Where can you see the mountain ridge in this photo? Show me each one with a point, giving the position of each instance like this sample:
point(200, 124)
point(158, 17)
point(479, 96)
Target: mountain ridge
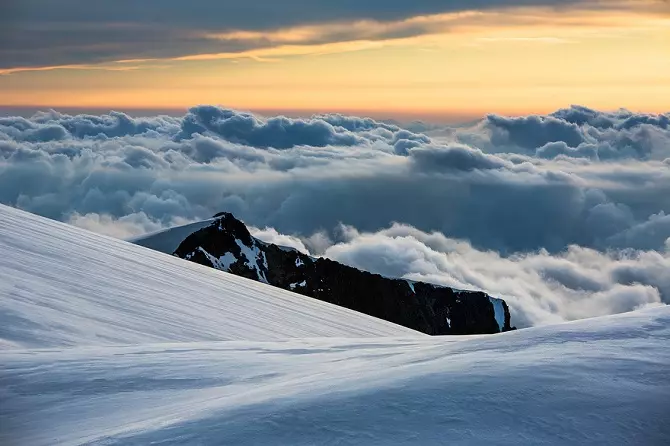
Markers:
point(226, 244)
point(65, 286)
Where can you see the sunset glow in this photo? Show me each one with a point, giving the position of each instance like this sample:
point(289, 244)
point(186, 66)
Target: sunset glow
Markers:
point(463, 63)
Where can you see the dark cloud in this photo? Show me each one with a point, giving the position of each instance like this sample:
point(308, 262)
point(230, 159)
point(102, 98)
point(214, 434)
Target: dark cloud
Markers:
point(530, 132)
point(454, 157)
point(44, 32)
point(279, 132)
point(577, 132)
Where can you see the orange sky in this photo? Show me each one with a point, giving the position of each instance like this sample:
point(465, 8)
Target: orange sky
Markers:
point(461, 67)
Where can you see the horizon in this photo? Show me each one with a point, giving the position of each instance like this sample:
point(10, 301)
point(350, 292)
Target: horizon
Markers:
point(434, 60)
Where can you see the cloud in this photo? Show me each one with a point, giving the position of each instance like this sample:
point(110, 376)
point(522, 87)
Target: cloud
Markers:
point(564, 215)
point(307, 175)
point(270, 235)
point(453, 157)
point(278, 132)
point(540, 287)
point(37, 33)
point(125, 227)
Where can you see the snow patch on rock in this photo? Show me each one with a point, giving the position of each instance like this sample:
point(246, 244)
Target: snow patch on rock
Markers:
point(499, 310)
point(293, 286)
point(253, 256)
point(411, 285)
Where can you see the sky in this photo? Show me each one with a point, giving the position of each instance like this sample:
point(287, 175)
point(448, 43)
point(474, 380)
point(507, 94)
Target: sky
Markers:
point(425, 59)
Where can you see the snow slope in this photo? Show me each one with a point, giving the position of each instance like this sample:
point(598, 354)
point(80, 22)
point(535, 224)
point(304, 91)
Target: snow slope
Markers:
point(61, 285)
point(600, 381)
point(168, 240)
point(105, 345)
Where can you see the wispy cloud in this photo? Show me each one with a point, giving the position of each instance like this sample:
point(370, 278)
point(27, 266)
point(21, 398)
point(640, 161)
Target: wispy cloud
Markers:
point(69, 34)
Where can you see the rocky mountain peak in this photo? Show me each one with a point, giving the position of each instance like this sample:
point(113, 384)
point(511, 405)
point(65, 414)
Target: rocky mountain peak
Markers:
point(226, 244)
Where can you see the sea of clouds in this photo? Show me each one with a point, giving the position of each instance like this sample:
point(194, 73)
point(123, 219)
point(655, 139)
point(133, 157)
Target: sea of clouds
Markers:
point(565, 216)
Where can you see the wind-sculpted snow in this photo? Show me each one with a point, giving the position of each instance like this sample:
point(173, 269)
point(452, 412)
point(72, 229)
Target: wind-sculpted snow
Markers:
point(601, 381)
point(63, 286)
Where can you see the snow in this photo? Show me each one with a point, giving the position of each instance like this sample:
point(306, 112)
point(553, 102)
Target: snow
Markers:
point(108, 343)
point(223, 263)
point(592, 382)
point(499, 311)
point(168, 240)
point(253, 255)
point(299, 262)
point(410, 283)
point(64, 286)
point(294, 285)
point(226, 260)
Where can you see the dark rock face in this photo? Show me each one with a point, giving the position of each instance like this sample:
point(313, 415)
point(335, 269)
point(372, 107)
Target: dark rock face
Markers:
point(227, 245)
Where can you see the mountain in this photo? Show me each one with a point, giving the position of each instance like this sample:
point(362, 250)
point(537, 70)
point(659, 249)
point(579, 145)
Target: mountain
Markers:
point(106, 342)
point(226, 244)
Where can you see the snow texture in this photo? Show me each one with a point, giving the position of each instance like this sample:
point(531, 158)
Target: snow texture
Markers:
point(167, 240)
point(103, 342)
point(595, 381)
point(64, 286)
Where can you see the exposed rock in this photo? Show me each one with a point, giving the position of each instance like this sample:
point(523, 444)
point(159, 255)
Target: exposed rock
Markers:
point(227, 245)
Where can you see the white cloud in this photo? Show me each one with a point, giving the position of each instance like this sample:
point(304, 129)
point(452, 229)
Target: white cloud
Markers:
point(540, 287)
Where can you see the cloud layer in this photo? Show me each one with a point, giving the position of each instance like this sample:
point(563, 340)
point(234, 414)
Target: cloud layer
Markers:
point(540, 288)
point(38, 33)
point(580, 188)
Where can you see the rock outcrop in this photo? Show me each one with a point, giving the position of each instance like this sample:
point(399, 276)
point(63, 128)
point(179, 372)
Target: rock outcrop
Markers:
point(226, 244)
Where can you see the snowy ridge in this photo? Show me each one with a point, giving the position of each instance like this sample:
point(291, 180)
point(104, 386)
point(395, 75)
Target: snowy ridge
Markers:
point(167, 240)
point(227, 244)
point(66, 286)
